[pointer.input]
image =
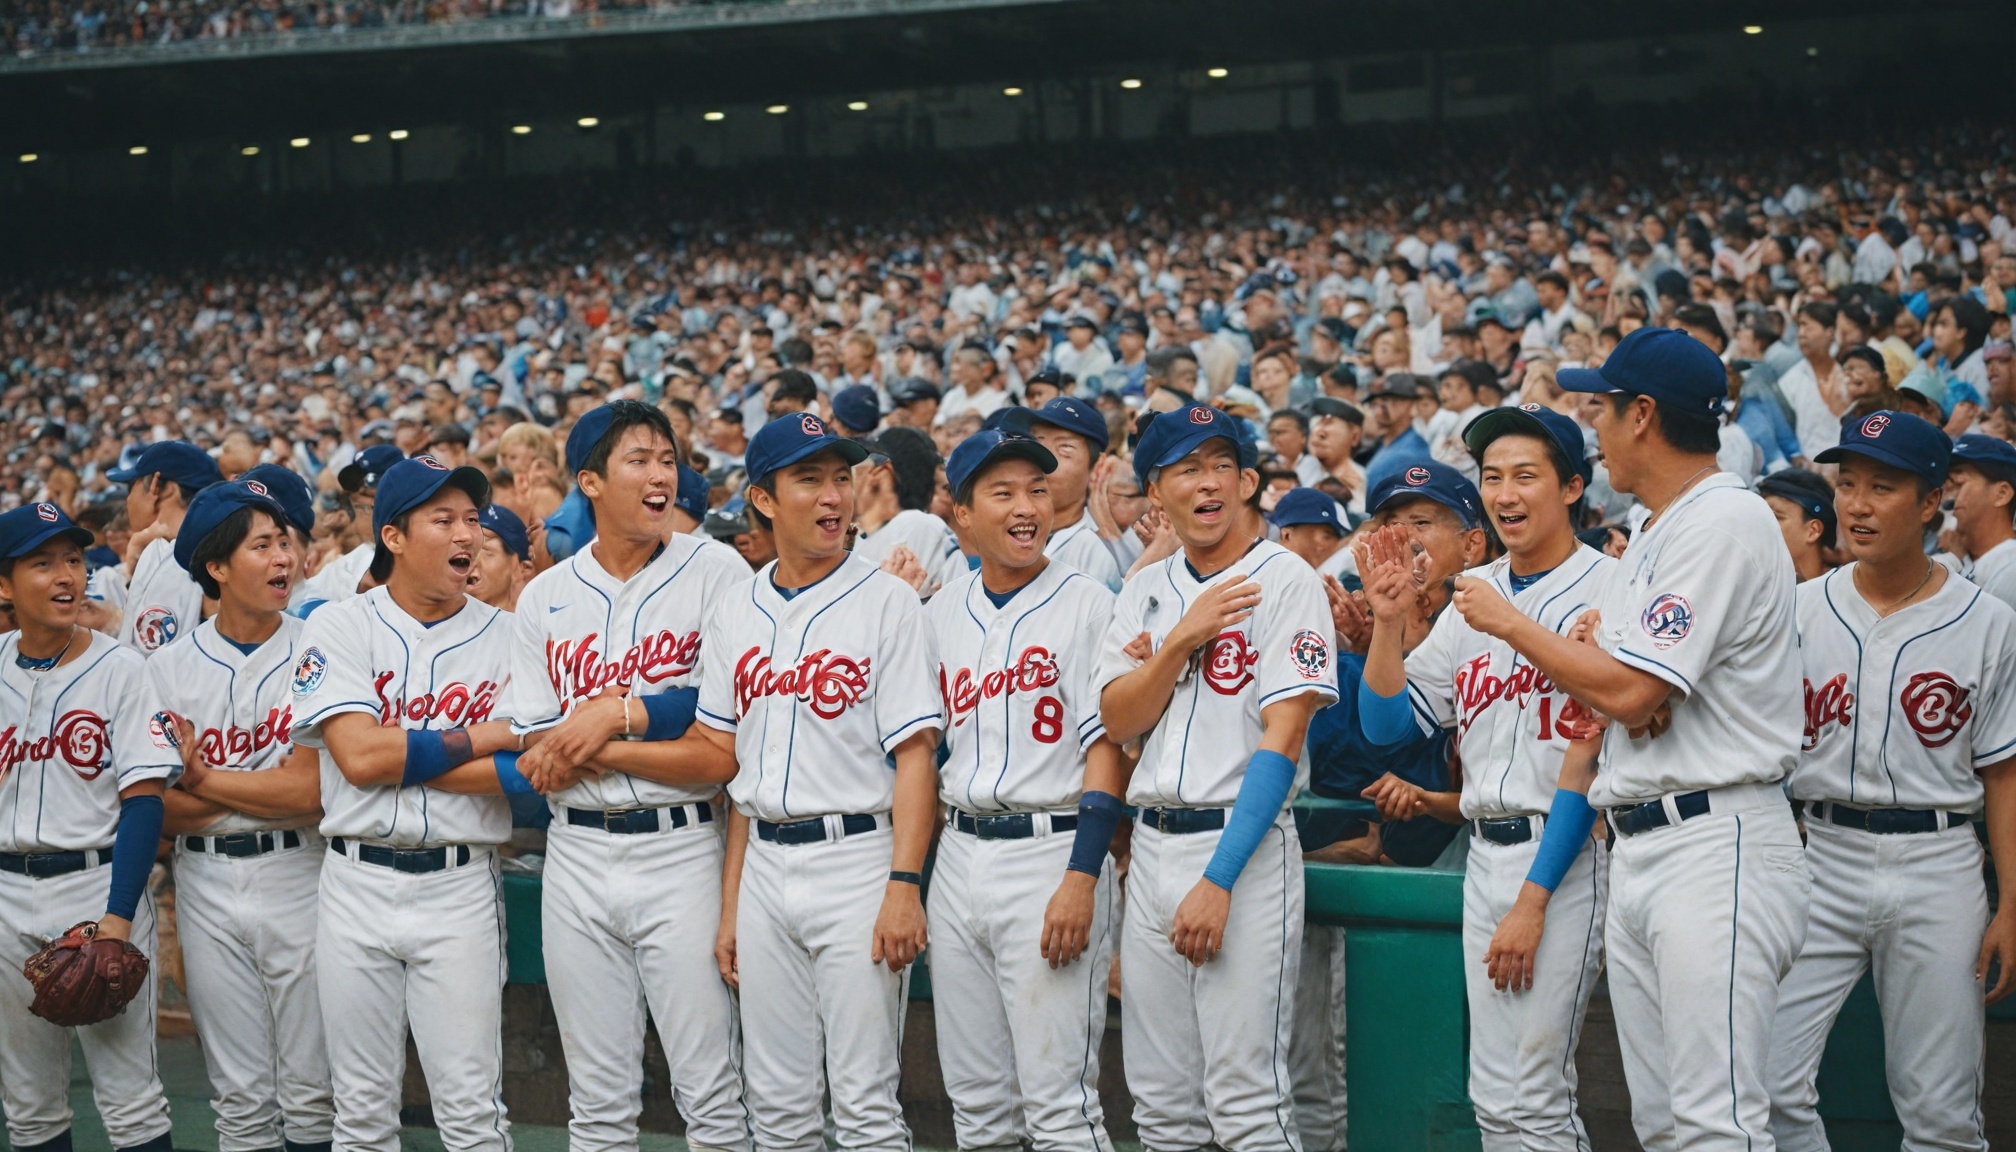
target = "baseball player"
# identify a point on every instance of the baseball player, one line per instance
(504, 563)
(397, 686)
(1803, 504)
(1531, 861)
(162, 602)
(80, 818)
(340, 578)
(248, 860)
(1075, 433)
(1033, 789)
(1983, 485)
(1217, 656)
(1696, 665)
(1910, 732)
(607, 646)
(814, 675)
(689, 503)
(894, 491)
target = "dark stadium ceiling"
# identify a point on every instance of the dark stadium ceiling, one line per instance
(490, 84)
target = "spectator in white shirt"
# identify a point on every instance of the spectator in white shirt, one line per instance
(1557, 311)
(1876, 256)
(975, 385)
(1083, 355)
(1807, 383)
(1459, 387)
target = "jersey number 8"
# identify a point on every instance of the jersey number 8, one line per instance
(1049, 726)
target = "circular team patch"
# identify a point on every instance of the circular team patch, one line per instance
(810, 425)
(47, 512)
(162, 729)
(431, 462)
(1417, 476)
(1311, 654)
(1668, 619)
(155, 627)
(1874, 426)
(309, 672)
(1200, 416)
(256, 488)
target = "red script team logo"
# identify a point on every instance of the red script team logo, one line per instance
(1034, 669)
(79, 740)
(1936, 707)
(1228, 663)
(1874, 426)
(828, 683)
(1831, 703)
(578, 671)
(458, 702)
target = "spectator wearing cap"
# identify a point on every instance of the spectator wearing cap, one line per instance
(1982, 484)
(1313, 526)
(161, 601)
(914, 404)
(1760, 418)
(1803, 503)
(350, 573)
(689, 503)
(1335, 430)
(1172, 369)
(1863, 381)
(504, 562)
(1500, 346)
(1402, 406)
(976, 386)
(1459, 389)
(1041, 387)
(1075, 433)
(449, 443)
(1130, 365)
(1923, 394)
(894, 488)
(857, 411)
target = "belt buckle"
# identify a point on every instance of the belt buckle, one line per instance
(414, 861)
(997, 825)
(631, 821)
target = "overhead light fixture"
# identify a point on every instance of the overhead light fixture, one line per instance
(1218, 73)
(857, 106)
(1130, 83)
(1011, 91)
(361, 138)
(1812, 51)
(777, 109)
(1752, 29)
(587, 122)
(714, 116)
(398, 134)
(137, 150)
(249, 150)
(521, 129)
(299, 142)
(29, 157)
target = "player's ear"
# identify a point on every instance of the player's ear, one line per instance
(1473, 547)
(1572, 491)
(1249, 483)
(589, 482)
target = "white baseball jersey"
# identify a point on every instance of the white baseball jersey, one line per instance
(1995, 570)
(70, 739)
(1702, 599)
(242, 706)
(580, 630)
(818, 689)
(366, 655)
(1080, 546)
(1017, 685)
(1506, 713)
(338, 579)
(1195, 757)
(1902, 710)
(162, 603)
(927, 537)
(108, 586)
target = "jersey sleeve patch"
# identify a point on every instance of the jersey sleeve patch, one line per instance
(1311, 654)
(1667, 619)
(309, 672)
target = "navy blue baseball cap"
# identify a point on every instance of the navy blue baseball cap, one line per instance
(30, 526)
(509, 528)
(213, 506)
(1432, 480)
(175, 460)
(985, 447)
(1899, 440)
(1307, 506)
(692, 495)
(586, 433)
(786, 440)
(289, 491)
(1992, 457)
(1535, 420)
(1170, 436)
(1066, 412)
(857, 409)
(414, 481)
(1664, 363)
(368, 469)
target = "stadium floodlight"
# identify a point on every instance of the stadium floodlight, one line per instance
(361, 138)
(398, 134)
(521, 129)
(137, 150)
(587, 122)
(299, 142)
(1752, 29)
(1812, 51)
(29, 157)
(714, 117)
(1130, 83)
(857, 106)
(1218, 73)
(249, 150)
(777, 109)
(1011, 91)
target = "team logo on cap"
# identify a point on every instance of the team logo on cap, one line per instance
(47, 512)
(1311, 654)
(1417, 476)
(1668, 619)
(155, 627)
(257, 488)
(431, 462)
(1874, 425)
(1529, 407)
(811, 425)
(309, 672)
(1201, 415)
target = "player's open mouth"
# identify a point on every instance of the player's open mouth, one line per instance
(1861, 532)
(657, 502)
(829, 524)
(1210, 509)
(280, 583)
(462, 562)
(63, 598)
(1511, 519)
(1023, 533)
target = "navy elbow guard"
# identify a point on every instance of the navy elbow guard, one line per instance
(133, 847)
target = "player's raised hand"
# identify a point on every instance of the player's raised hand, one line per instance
(900, 931)
(1392, 573)
(1509, 957)
(1067, 919)
(904, 565)
(1198, 931)
(1351, 613)
(193, 769)
(1221, 606)
(1484, 609)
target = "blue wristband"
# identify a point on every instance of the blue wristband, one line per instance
(508, 777)
(426, 758)
(669, 714)
(1567, 831)
(133, 848)
(1099, 814)
(1384, 719)
(1269, 776)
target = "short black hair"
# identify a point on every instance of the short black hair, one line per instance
(1702, 316)
(1973, 319)
(623, 416)
(1551, 277)
(1820, 312)
(791, 384)
(1694, 433)
(223, 540)
(381, 556)
(913, 459)
(1300, 418)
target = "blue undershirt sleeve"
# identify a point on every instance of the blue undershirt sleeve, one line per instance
(1384, 719)
(133, 850)
(1269, 776)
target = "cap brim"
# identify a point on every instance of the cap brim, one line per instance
(1190, 441)
(76, 535)
(1026, 418)
(1467, 516)
(1874, 452)
(1017, 449)
(851, 451)
(1584, 380)
(122, 475)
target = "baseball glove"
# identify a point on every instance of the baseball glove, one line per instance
(81, 980)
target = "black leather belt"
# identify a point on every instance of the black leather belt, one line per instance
(630, 821)
(241, 844)
(1181, 821)
(1632, 819)
(1008, 825)
(1504, 829)
(814, 830)
(1883, 821)
(414, 860)
(41, 865)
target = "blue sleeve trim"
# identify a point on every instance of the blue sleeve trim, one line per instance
(932, 720)
(1384, 719)
(511, 780)
(1269, 776)
(1326, 691)
(1648, 665)
(671, 713)
(140, 819)
(726, 724)
(1566, 834)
